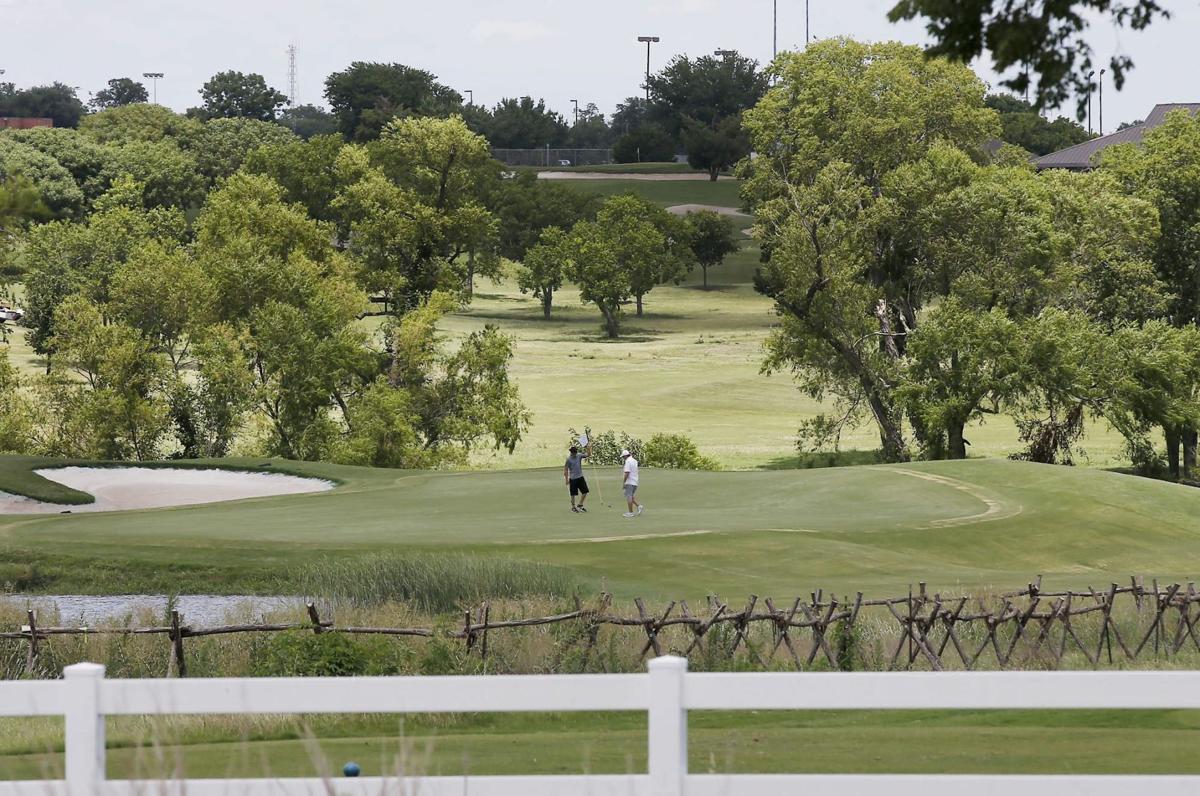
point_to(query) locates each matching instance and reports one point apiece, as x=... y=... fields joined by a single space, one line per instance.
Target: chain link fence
x=553 y=157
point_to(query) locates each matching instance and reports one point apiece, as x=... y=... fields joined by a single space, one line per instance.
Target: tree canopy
x=120 y=91
x=232 y=94
x=366 y=96
x=55 y=101
x=1046 y=43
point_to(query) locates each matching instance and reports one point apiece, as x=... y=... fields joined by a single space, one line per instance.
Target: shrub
x=607 y=446
x=647 y=144
x=676 y=452
x=304 y=654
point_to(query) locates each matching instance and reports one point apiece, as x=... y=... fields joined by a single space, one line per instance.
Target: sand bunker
x=124 y=488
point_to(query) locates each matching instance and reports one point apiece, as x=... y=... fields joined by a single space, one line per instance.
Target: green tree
x=76 y=152
x=224 y=144
x=1165 y=171
x=16 y=415
x=544 y=267
x=458 y=398
x=141 y=122
x=308 y=121
x=647 y=144
x=706 y=90
x=416 y=213
x=629 y=116
x=961 y=365
x=109 y=380
x=1022 y=125
x=524 y=206
x=366 y=96
x=590 y=131
x=630 y=247
x=233 y=94
x=20 y=206
x=715 y=148
x=845 y=281
x=169 y=176
x=305 y=169
x=525 y=124
x=56 y=188
x=56 y=101
x=713 y=237
x=1047 y=43
x=120 y=91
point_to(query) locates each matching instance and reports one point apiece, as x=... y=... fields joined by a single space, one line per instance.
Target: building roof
x=1082 y=156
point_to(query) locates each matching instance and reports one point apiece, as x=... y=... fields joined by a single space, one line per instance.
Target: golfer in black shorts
x=573 y=476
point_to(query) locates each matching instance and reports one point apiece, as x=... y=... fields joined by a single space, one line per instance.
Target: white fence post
x=667 y=729
x=84 y=729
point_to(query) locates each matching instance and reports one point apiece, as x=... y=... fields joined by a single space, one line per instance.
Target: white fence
x=666 y=694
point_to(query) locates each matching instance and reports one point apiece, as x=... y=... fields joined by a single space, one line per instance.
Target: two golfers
x=577 y=485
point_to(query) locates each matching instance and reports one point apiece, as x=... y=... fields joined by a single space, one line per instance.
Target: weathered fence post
x=315 y=618
x=84 y=733
x=177 y=666
x=32 y=656
x=667 y=727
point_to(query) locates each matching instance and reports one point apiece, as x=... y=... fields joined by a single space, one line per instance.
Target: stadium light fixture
x=649 y=40
x=154 y=77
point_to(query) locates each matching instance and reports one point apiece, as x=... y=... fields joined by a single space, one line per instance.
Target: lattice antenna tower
x=291 y=75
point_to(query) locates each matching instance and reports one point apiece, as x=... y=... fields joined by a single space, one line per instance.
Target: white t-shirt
x=631 y=467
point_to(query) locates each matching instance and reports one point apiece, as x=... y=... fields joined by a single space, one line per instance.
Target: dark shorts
x=578 y=486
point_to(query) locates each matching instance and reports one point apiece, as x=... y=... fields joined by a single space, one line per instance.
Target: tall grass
x=433 y=581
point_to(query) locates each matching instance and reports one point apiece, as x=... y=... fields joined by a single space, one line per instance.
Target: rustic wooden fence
x=1017 y=629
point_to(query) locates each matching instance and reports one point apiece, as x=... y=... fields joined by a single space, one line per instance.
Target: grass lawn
x=669 y=167
x=1026 y=742
x=878 y=529
x=723 y=193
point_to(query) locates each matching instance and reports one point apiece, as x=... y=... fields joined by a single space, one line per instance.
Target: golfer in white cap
x=631 y=484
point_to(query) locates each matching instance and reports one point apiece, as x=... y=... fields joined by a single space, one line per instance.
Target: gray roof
x=1082 y=156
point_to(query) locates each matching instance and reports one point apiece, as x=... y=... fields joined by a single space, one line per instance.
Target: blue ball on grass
x=351 y=770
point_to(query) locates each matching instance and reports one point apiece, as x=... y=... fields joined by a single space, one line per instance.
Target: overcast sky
x=545 y=48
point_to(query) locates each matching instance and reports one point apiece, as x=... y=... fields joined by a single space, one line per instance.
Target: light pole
x=1089 y=108
x=154 y=78
x=806 y=36
x=724 y=53
x=649 y=40
x=1102 y=71
x=774 y=28
x=576 y=103
x=471 y=97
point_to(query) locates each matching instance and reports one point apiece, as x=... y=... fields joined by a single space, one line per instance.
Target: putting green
x=975 y=523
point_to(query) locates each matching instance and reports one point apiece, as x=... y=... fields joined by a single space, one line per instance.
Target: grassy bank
x=981 y=523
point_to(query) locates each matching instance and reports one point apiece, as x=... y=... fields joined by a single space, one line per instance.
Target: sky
x=556 y=49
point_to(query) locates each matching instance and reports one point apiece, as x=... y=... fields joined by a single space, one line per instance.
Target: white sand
x=124 y=488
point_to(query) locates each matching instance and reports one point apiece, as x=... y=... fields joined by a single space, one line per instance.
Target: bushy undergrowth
x=667 y=451
x=432 y=581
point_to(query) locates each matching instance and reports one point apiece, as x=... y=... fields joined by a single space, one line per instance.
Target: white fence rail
x=667 y=693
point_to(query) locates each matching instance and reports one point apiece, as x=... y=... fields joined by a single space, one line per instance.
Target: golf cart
x=8 y=313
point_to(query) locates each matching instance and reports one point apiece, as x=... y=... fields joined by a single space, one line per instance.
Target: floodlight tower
x=291 y=75
x=154 y=77
x=576 y=102
x=649 y=40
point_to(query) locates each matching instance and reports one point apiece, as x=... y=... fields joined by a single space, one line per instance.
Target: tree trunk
x=1189 y=451
x=704 y=268
x=610 y=322
x=958 y=445
x=547 y=297
x=471 y=272
x=1173 y=439
x=639 y=305
x=713 y=173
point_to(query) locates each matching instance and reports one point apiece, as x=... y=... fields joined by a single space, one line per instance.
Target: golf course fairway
x=979 y=523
